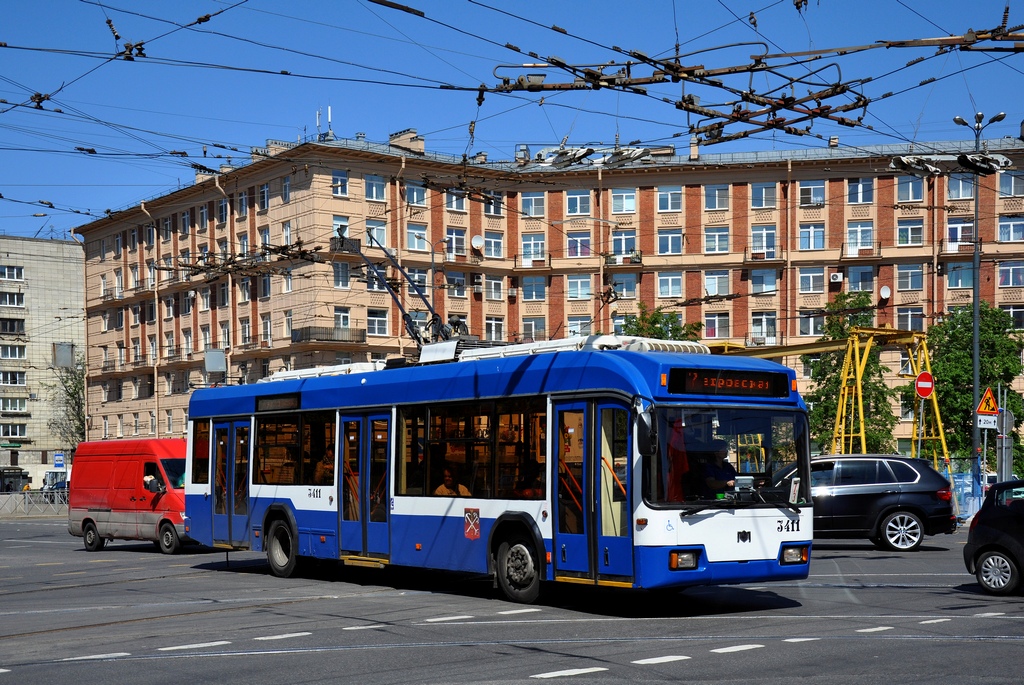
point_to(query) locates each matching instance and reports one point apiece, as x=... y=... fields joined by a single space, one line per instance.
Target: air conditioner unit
x=513 y=292
x=478 y=289
x=837 y=277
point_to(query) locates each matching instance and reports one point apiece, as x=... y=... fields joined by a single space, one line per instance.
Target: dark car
x=995 y=544
x=893 y=501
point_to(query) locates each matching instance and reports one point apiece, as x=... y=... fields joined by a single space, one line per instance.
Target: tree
x=951 y=347
x=845 y=311
x=67 y=397
x=655 y=323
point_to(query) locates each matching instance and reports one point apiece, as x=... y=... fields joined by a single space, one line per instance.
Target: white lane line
x=735 y=648
x=879 y=629
x=439 y=619
x=510 y=612
x=372 y=626
x=990 y=614
x=936 y=620
x=112 y=655
x=801 y=639
x=569 y=672
x=660 y=660
x=4 y=670
x=282 y=637
x=70 y=573
x=198 y=645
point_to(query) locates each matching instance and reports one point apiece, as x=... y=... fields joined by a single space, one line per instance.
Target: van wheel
x=169 y=543
x=281 y=552
x=93 y=541
x=902 y=531
x=518 y=571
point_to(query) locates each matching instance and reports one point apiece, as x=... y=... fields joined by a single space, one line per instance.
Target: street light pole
x=976 y=300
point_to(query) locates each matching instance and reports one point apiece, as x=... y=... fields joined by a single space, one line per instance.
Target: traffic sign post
x=987 y=413
x=924 y=385
x=58 y=460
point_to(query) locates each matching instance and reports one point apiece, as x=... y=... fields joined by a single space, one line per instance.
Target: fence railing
x=34 y=503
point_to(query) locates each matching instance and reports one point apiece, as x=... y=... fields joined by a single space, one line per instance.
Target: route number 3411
x=789 y=525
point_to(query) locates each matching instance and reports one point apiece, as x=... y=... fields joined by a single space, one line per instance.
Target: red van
x=128 y=490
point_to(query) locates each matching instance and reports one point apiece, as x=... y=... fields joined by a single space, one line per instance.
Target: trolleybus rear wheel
x=282 y=554
x=518 y=570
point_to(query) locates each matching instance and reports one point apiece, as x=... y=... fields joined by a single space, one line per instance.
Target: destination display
x=728 y=382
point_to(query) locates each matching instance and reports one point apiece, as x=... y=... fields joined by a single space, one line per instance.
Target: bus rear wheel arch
x=282 y=549
x=518 y=569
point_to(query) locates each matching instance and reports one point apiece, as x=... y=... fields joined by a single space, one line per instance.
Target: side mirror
x=647 y=433
x=155 y=486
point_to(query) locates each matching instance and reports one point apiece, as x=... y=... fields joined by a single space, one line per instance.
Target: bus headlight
x=683 y=559
x=794 y=555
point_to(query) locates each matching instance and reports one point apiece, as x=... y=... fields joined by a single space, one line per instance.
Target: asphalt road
x=130 y=614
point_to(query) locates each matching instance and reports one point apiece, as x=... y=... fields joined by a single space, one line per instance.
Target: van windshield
x=175 y=470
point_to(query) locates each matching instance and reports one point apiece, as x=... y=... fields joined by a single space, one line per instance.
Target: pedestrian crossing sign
x=988 y=404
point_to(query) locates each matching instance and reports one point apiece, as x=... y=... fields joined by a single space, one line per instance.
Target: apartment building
x=265 y=262
x=41 y=307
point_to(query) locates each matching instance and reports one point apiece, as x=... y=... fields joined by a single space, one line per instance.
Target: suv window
x=821 y=474
x=904 y=472
x=858 y=472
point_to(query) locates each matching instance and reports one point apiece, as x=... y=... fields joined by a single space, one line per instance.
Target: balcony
x=346 y=245
x=761 y=255
x=862 y=251
x=328 y=334
x=631 y=258
x=532 y=261
x=956 y=246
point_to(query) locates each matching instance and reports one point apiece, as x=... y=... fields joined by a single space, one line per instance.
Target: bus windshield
x=722 y=456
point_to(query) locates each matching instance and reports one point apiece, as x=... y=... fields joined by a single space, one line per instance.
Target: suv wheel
x=997 y=573
x=901 y=531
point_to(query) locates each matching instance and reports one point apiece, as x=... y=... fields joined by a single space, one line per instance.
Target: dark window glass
x=822 y=474
x=904 y=473
x=859 y=472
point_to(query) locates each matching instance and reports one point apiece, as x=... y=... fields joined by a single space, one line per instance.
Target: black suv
x=995 y=545
x=891 y=500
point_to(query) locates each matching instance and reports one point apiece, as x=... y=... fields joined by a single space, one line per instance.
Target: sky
x=84 y=130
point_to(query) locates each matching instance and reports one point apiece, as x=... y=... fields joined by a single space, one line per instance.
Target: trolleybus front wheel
x=282 y=554
x=518 y=570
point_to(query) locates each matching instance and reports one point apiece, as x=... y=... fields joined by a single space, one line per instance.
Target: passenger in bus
x=529 y=485
x=451 y=488
x=325 y=468
x=719 y=474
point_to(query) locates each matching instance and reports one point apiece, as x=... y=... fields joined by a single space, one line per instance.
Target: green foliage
x=846 y=311
x=951 y=346
x=656 y=323
x=67 y=396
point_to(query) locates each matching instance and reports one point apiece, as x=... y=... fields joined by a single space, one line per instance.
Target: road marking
x=112 y=655
x=372 y=626
x=879 y=629
x=70 y=573
x=282 y=637
x=517 y=611
x=660 y=660
x=990 y=614
x=569 y=672
x=735 y=648
x=103 y=561
x=51 y=563
x=936 y=620
x=4 y=670
x=801 y=639
x=198 y=645
x=447 y=618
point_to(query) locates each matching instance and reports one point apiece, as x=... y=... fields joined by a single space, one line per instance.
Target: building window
x=623 y=241
x=716 y=197
x=578 y=286
x=577 y=202
x=578 y=244
x=812 y=323
x=961 y=186
x=716 y=239
x=762 y=195
x=286 y=281
x=1011 y=183
x=494 y=244
x=623 y=200
x=534 y=287
x=494 y=328
x=455 y=200
x=959 y=232
x=909 y=277
x=670 y=199
x=909 y=189
x=762 y=327
x=812 y=279
x=533 y=328
x=376 y=233
x=807 y=364
x=263 y=197
x=910 y=318
x=1011 y=274
x=222 y=212
x=286 y=324
x=204 y=299
x=286 y=189
x=910 y=232
x=533 y=246
x=716 y=282
x=860 y=191
x=532 y=204
x=959 y=275
x=1011 y=228
x=579 y=325
x=376 y=322
x=342 y=275
x=494 y=203
x=812 y=193
x=339 y=183
x=859 y=236
x=624 y=285
x=456 y=283
x=374 y=188
x=416 y=237
x=456 y=241
x=860 y=279
x=670 y=284
x=342 y=318
x=416 y=194
x=763 y=281
x=375 y=281
x=762 y=240
x=12 y=378
x=242 y=209
x=492 y=287
x=716 y=325
x=1016 y=313
x=670 y=241
x=812 y=236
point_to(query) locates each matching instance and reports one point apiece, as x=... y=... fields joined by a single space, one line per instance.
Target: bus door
x=363 y=460
x=613 y=473
x=572 y=491
x=231 y=483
